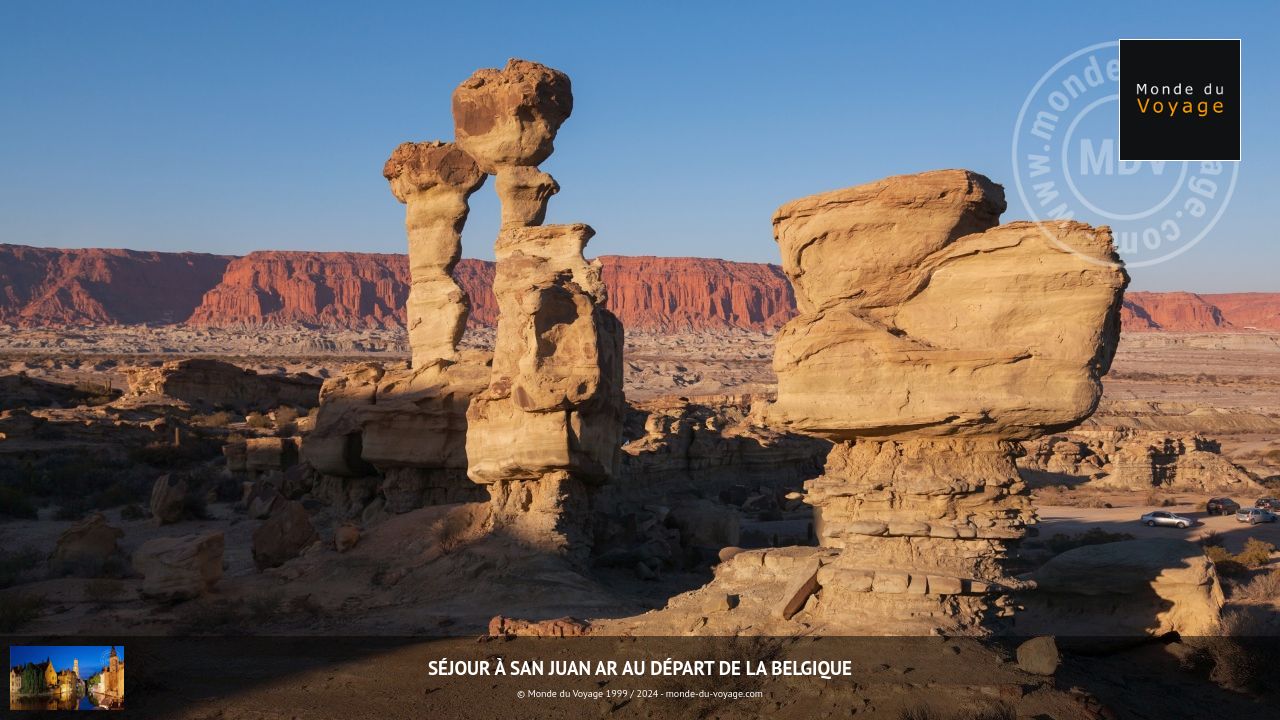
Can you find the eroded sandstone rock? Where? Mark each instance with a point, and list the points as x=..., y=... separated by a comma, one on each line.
x=548, y=424
x=945, y=324
x=509, y=116
x=434, y=180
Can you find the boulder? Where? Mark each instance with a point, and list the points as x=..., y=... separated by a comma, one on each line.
x=346, y=537
x=179, y=568
x=269, y=454
x=1039, y=656
x=169, y=499
x=509, y=116
x=283, y=536
x=1125, y=589
x=86, y=548
x=946, y=324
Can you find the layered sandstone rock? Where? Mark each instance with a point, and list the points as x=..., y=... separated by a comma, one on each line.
x=434, y=180
x=550, y=421
x=945, y=324
x=407, y=427
x=929, y=339
x=214, y=383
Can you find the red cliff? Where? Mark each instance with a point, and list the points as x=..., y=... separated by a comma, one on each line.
x=45, y=286
x=365, y=290
x=92, y=286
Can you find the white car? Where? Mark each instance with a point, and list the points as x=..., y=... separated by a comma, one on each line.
x=1167, y=519
x=1255, y=515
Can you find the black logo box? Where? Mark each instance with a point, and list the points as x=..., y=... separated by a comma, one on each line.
x=1208, y=133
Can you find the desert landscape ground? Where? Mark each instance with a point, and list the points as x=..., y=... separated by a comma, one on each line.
x=924, y=443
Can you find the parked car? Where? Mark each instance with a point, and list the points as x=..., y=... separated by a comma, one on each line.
x=1222, y=506
x=1255, y=515
x=1268, y=503
x=1167, y=519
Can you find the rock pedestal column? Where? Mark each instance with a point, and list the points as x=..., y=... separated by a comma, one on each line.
x=928, y=340
x=549, y=424
x=434, y=180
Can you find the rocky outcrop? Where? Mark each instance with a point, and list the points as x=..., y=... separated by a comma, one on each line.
x=1124, y=589
x=53, y=286
x=1134, y=460
x=550, y=420
x=408, y=426
x=433, y=180
x=929, y=339
x=214, y=383
x=179, y=568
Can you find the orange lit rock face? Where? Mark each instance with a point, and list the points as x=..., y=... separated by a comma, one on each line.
x=52, y=286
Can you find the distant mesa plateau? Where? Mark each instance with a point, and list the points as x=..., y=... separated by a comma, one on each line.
x=43, y=287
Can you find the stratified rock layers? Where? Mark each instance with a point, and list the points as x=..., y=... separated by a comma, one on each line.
x=929, y=339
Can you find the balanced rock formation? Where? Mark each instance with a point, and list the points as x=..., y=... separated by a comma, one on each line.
x=928, y=339
x=550, y=420
x=434, y=180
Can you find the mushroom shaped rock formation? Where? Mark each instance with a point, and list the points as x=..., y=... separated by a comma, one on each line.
x=929, y=339
x=550, y=422
x=434, y=180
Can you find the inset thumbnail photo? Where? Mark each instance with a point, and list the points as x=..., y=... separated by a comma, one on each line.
x=66, y=677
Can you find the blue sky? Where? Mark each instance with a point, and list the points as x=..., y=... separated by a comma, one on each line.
x=234, y=126
x=92, y=657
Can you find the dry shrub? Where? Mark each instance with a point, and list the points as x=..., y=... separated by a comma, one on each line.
x=257, y=420
x=1224, y=562
x=218, y=419
x=1263, y=588
x=18, y=610
x=1245, y=651
x=1256, y=553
